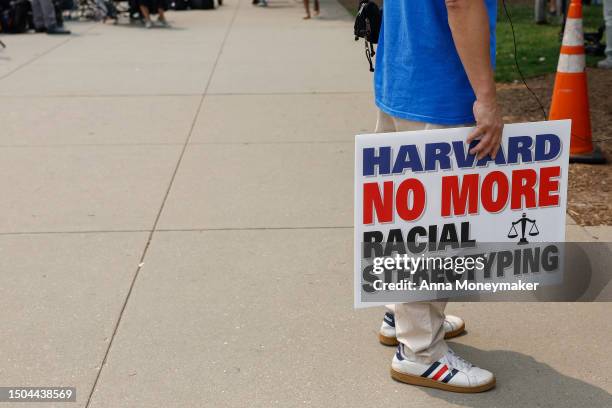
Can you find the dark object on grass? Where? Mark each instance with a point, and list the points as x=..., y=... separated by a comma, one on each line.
x=592, y=42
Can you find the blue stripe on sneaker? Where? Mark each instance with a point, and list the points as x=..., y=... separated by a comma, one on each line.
x=450, y=375
x=389, y=319
x=431, y=369
x=398, y=353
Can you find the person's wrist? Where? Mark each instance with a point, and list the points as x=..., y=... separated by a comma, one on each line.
x=487, y=99
x=487, y=95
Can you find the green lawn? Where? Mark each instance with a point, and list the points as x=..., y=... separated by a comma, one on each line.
x=538, y=45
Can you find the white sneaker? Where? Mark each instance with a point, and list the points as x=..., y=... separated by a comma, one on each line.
x=453, y=326
x=605, y=63
x=450, y=373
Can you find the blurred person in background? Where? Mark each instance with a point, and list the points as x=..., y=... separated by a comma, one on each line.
x=157, y=5
x=307, y=7
x=607, y=11
x=45, y=19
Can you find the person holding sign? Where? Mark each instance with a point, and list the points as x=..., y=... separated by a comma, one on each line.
x=434, y=69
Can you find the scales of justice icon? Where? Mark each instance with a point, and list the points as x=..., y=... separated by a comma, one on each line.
x=533, y=231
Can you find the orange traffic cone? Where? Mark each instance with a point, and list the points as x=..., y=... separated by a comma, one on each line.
x=570, y=95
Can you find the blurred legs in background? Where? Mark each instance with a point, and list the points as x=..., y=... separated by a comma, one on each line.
x=607, y=11
x=307, y=7
x=43, y=14
x=145, y=10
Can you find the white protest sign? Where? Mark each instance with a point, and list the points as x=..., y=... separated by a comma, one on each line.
x=425, y=186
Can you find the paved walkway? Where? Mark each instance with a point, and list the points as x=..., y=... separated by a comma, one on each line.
x=157, y=183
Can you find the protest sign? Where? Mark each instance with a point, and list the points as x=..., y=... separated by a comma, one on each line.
x=424, y=191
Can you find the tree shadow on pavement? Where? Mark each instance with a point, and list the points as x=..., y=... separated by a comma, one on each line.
x=524, y=382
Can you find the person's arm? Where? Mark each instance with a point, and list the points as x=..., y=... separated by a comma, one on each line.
x=469, y=24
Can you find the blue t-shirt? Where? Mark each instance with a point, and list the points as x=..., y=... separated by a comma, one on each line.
x=419, y=75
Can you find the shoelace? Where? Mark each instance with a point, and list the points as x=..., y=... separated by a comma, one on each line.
x=457, y=361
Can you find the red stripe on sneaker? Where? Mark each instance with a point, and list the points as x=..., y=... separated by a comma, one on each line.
x=431, y=369
x=439, y=373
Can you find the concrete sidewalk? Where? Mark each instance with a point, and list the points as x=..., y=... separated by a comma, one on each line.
x=146, y=227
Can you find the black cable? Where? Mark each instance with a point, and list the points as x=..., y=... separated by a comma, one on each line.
x=518, y=68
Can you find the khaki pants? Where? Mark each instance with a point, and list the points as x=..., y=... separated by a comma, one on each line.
x=419, y=325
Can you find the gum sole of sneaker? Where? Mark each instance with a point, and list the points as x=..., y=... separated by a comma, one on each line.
x=387, y=341
x=455, y=333
x=392, y=341
x=426, y=382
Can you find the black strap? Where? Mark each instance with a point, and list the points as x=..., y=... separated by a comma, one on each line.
x=369, y=52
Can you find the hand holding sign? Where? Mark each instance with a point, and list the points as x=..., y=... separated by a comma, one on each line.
x=489, y=127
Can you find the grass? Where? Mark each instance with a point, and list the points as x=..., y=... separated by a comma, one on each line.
x=538, y=45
